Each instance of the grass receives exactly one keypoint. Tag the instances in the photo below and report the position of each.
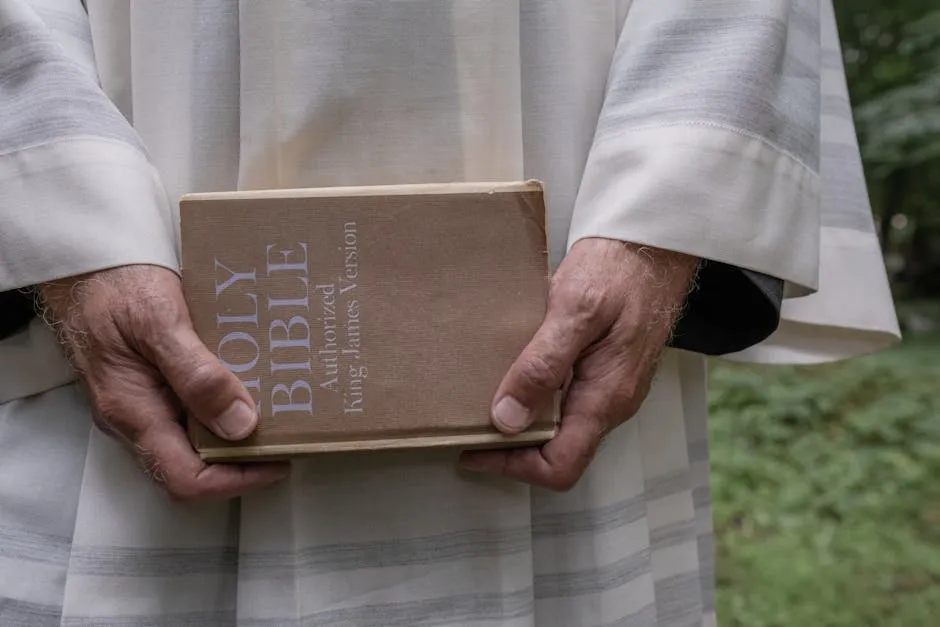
(826, 490)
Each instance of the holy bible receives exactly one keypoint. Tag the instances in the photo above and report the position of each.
(367, 318)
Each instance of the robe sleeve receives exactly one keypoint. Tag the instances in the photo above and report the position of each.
(708, 144)
(852, 313)
(78, 191)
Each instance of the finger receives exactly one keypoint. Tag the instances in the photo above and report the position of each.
(212, 393)
(543, 366)
(558, 465)
(598, 397)
(169, 458)
(142, 413)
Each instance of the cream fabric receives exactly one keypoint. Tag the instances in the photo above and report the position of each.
(851, 313)
(701, 127)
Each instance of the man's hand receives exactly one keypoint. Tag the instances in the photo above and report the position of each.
(130, 338)
(611, 311)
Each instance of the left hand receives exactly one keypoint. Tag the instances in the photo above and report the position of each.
(611, 311)
(129, 337)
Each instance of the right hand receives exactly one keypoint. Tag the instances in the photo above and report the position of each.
(130, 338)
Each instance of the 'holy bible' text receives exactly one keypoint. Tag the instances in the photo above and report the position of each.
(311, 332)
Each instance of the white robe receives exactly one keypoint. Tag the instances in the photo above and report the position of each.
(717, 129)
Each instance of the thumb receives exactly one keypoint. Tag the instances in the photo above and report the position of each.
(212, 393)
(540, 370)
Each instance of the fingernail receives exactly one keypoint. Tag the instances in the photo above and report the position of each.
(236, 421)
(511, 414)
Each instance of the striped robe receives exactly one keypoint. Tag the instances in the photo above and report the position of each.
(719, 129)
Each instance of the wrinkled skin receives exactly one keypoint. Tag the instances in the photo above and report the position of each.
(129, 336)
(612, 309)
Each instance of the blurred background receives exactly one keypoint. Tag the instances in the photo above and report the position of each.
(827, 479)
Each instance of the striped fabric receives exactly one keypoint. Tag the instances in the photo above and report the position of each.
(851, 312)
(714, 128)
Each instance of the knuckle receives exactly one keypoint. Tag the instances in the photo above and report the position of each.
(112, 412)
(592, 306)
(632, 392)
(620, 404)
(591, 298)
(106, 411)
(178, 496)
(104, 425)
(583, 304)
(541, 373)
(205, 378)
(102, 420)
(564, 481)
(181, 486)
(149, 308)
(182, 491)
(148, 316)
(629, 386)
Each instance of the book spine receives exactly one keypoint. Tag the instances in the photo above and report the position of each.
(467, 441)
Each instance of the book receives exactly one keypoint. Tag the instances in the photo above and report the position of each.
(367, 318)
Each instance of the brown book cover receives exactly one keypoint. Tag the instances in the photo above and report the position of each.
(366, 318)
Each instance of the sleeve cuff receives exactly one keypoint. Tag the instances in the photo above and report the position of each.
(730, 310)
(707, 191)
(81, 205)
(747, 208)
(851, 315)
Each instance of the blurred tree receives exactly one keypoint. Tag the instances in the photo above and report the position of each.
(892, 56)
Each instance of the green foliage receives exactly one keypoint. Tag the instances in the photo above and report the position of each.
(891, 50)
(899, 121)
(827, 510)
(825, 490)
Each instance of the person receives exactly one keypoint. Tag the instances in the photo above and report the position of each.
(706, 198)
